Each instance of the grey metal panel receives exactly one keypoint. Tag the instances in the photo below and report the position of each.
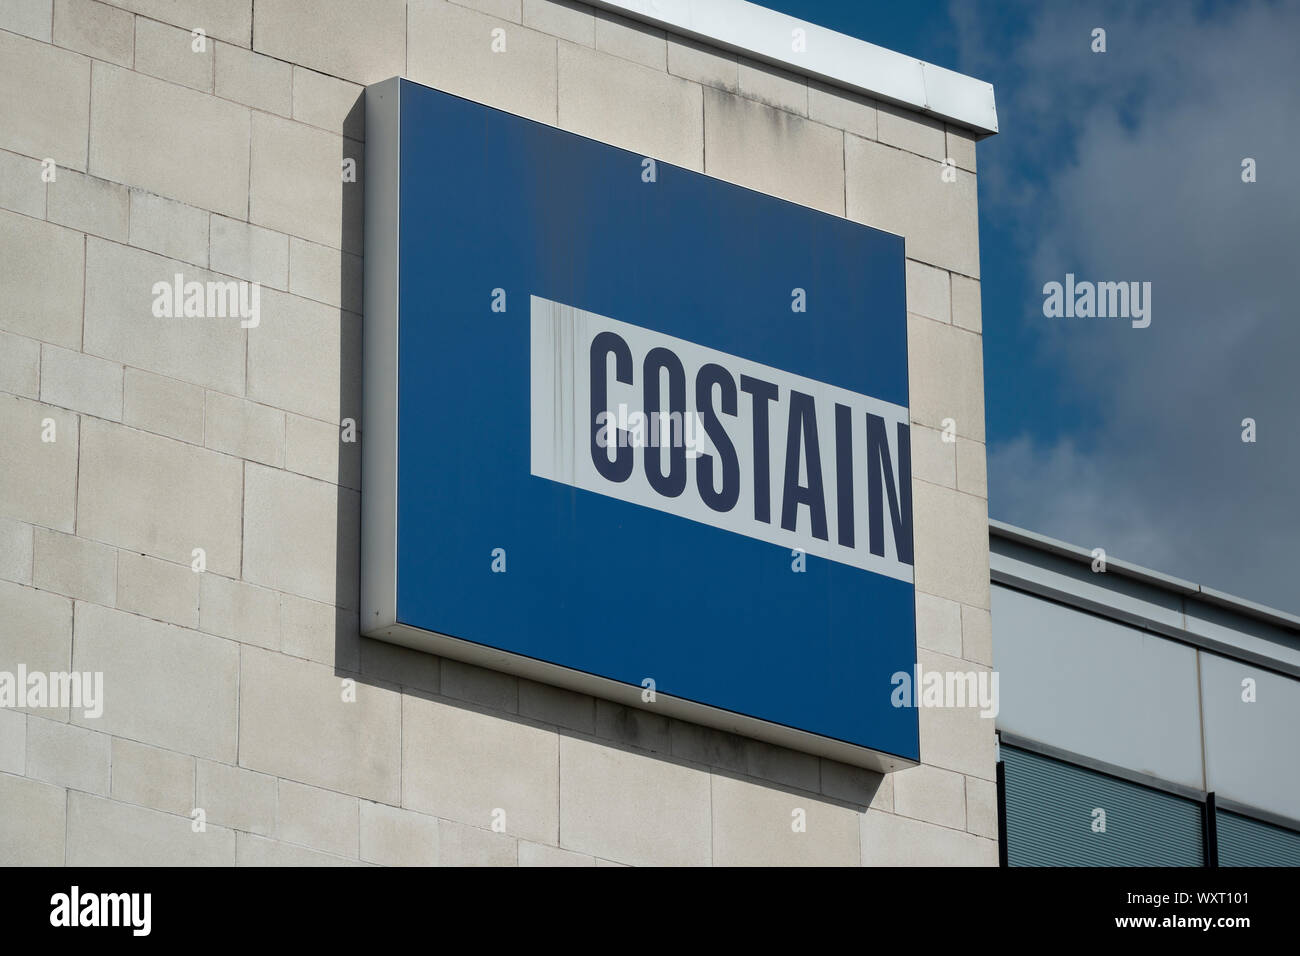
(1252, 750)
(842, 60)
(1247, 842)
(379, 364)
(1097, 688)
(1051, 810)
(1249, 634)
(1115, 591)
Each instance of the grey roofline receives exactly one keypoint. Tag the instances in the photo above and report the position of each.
(840, 60)
(1001, 529)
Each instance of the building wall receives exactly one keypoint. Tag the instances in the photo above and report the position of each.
(225, 690)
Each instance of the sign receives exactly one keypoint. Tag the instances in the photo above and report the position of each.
(634, 431)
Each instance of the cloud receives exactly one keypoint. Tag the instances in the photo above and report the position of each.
(1130, 170)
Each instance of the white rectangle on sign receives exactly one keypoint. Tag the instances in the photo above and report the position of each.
(681, 428)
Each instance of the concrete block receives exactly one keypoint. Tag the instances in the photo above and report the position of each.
(889, 840)
(45, 112)
(933, 459)
(505, 9)
(169, 53)
(977, 635)
(206, 162)
(555, 705)
(479, 685)
(37, 633)
(40, 478)
(254, 80)
(755, 825)
(20, 365)
(288, 706)
(15, 551)
(321, 344)
(638, 42)
(81, 382)
(931, 794)
(74, 566)
(632, 106)
(67, 756)
(966, 303)
(465, 765)
(774, 87)
(714, 748)
(31, 18)
(395, 837)
(163, 685)
(633, 727)
(538, 854)
(298, 186)
(249, 252)
(41, 284)
(316, 449)
(703, 64)
(631, 807)
(106, 833)
(982, 807)
(450, 47)
(957, 738)
(328, 102)
(95, 29)
(33, 825)
(21, 187)
(856, 785)
(972, 473)
(945, 368)
(317, 818)
(324, 274)
(938, 624)
(904, 193)
(89, 205)
(239, 611)
(927, 292)
(320, 632)
(782, 765)
(244, 429)
(901, 127)
(318, 524)
(561, 18)
(13, 741)
(259, 851)
(151, 777)
(774, 151)
(328, 36)
(162, 405)
(461, 845)
(231, 20)
(158, 589)
(171, 229)
(842, 109)
(961, 148)
(950, 532)
(121, 326)
(159, 497)
(402, 666)
(235, 798)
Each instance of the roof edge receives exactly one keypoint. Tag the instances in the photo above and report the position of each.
(1166, 582)
(835, 58)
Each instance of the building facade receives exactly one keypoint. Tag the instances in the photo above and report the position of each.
(1144, 720)
(180, 494)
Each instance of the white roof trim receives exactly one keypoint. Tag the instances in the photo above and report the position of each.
(838, 59)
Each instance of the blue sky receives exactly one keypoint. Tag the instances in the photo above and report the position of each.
(1125, 166)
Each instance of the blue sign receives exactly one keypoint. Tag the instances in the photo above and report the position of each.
(635, 430)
